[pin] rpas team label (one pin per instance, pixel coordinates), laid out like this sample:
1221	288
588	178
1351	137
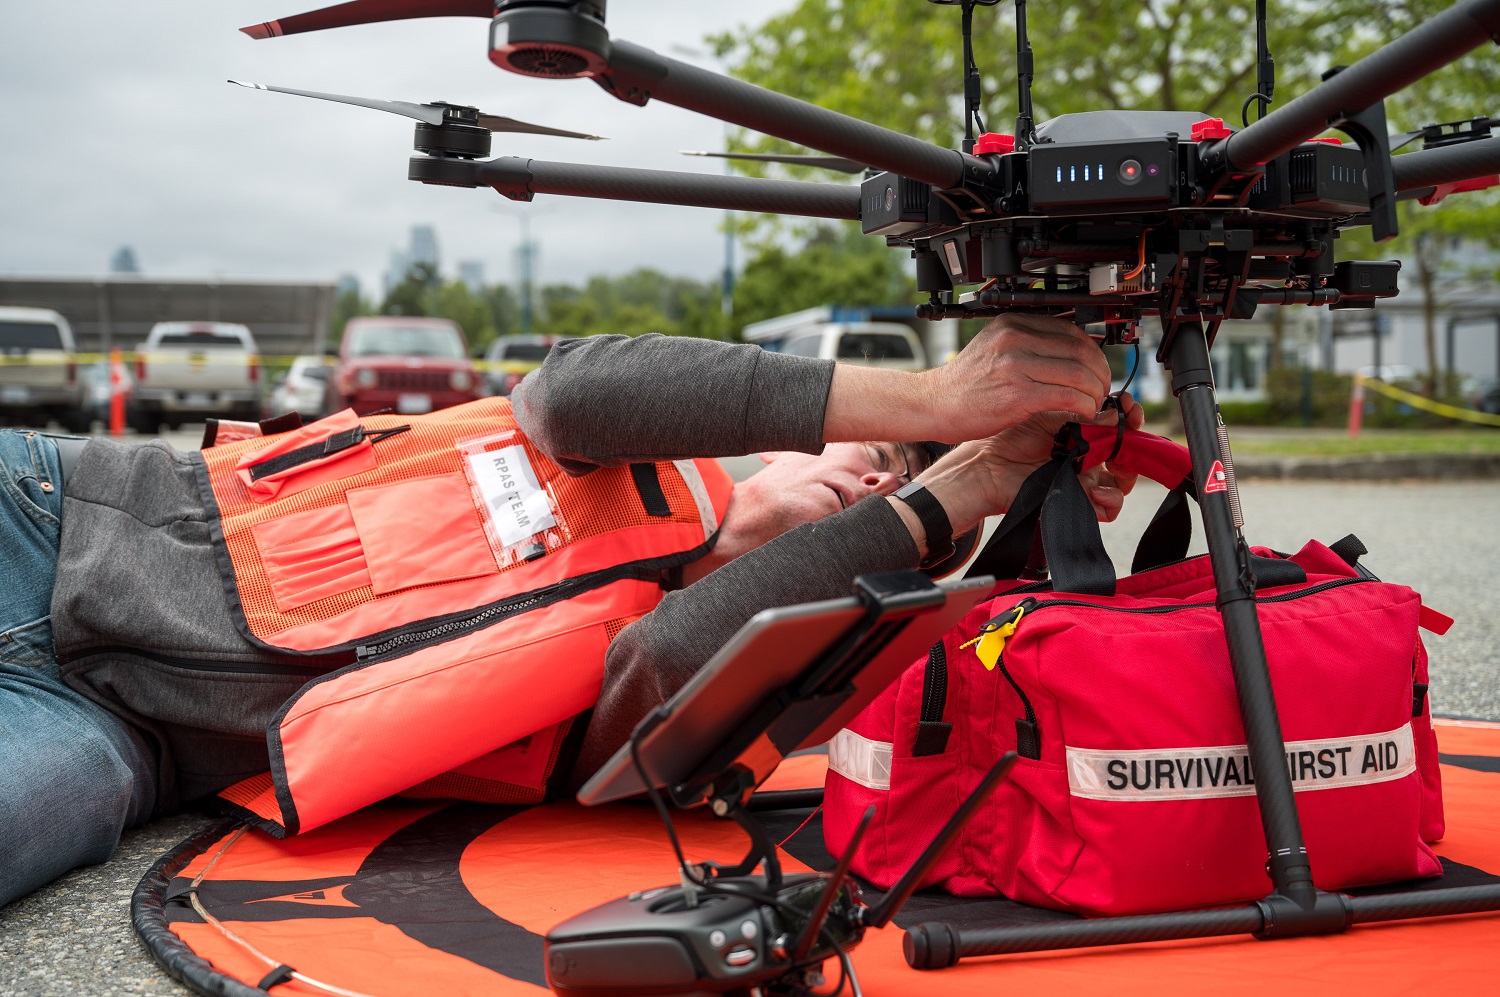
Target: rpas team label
517	505
1203	773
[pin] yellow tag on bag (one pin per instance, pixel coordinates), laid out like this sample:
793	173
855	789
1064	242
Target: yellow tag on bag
992	638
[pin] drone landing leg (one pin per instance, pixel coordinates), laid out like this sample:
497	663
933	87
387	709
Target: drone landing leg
1295	906
1301	909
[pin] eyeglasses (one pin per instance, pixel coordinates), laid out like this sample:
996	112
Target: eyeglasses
880	458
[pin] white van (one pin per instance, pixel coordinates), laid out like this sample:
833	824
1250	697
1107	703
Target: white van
38	370
815	333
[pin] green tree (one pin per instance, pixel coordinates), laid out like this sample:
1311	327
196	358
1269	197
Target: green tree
638	302
836	265
346	306
455	301
504	309
415	294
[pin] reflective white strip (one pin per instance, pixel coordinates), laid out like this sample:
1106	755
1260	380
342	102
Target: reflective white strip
694	481
1202	773
860	759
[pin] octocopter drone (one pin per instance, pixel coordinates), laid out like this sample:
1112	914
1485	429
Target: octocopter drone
1106	217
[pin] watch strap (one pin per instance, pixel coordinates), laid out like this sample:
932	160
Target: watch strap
934	519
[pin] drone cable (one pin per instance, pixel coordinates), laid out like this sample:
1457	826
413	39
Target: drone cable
1140	266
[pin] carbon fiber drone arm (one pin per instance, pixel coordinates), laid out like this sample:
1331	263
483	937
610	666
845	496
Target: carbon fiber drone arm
637	74
519	179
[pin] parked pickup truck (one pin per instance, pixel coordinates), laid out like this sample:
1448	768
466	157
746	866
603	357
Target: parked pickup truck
38	372
188	371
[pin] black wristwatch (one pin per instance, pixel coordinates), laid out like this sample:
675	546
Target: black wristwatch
934	521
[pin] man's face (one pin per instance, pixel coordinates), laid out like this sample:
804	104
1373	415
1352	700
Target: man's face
808	487
794	489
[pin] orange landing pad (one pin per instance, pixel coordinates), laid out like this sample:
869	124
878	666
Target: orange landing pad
432	899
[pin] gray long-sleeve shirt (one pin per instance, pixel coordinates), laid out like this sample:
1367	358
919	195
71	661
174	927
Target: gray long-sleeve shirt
137	567
609	400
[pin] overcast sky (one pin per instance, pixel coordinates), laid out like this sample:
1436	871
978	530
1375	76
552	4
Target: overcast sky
117	128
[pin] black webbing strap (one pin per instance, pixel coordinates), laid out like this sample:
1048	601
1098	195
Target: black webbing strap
1170	532
1070	535
1008	550
648	484
275	977
336	443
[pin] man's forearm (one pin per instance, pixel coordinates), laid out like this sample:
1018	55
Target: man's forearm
610	400
652	658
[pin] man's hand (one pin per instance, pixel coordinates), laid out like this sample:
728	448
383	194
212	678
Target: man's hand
980	478
1017	367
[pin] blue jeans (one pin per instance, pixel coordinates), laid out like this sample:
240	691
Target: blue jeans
72	775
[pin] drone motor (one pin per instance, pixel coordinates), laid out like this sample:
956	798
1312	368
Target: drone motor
551	39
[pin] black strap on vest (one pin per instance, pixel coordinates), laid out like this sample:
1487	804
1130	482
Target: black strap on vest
275	977
315	451
648	484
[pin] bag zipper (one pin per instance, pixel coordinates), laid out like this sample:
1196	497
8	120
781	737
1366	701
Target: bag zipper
315	665
1028	733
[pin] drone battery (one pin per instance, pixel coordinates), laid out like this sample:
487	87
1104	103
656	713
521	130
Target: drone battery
892	205
1316	179
1133	172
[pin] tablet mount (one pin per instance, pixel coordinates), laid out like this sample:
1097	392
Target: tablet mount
727	929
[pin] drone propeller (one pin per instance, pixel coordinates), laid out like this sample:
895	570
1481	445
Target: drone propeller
838	163
432	114
369	12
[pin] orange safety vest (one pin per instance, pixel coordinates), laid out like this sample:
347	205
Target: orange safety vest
477	582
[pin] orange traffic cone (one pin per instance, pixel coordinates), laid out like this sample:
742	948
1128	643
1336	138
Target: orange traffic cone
116	393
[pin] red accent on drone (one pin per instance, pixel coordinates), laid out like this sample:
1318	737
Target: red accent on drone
1217	481
1458	187
1210	128
1327	140
368	12
992	142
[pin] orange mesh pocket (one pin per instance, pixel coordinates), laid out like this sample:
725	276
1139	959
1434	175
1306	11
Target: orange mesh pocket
311	555
420	532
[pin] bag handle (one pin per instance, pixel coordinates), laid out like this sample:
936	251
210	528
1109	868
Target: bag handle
1051	505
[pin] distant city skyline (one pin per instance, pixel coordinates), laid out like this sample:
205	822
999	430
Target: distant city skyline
148	147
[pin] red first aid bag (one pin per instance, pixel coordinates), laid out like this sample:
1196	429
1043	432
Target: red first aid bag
1134	792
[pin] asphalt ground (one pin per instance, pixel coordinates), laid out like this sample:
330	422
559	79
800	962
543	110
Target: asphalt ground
1439	537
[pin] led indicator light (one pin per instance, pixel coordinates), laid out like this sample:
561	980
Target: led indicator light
1101	171
1059	174
1152	170
1072	173
1085	172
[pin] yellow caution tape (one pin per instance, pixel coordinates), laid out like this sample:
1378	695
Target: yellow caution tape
1427	404
53	358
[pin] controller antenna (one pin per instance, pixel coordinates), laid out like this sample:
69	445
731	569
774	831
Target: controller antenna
973	88
1025	127
1265	69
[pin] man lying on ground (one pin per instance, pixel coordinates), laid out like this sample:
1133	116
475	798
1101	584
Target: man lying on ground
111	547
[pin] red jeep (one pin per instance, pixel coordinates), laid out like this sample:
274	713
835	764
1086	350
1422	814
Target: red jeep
409	365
